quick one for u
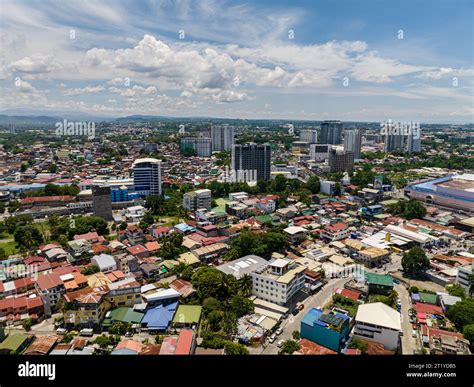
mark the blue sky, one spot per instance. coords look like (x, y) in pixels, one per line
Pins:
(338, 59)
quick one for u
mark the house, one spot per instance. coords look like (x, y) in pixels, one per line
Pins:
(186, 342)
(56, 254)
(154, 296)
(335, 232)
(441, 342)
(159, 318)
(446, 301)
(210, 253)
(104, 262)
(85, 308)
(42, 345)
(134, 234)
(295, 234)
(187, 316)
(138, 251)
(91, 237)
(161, 231)
(328, 329)
(378, 322)
(379, 284)
(79, 247)
(127, 263)
(128, 347)
(123, 315)
(19, 308)
(50, 288)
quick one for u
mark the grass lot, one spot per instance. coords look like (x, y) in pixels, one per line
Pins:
(346, 304)
(167, 220)
(9, 247)
(221, 202)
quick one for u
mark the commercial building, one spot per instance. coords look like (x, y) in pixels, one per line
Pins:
(329, 329)
(198, 199)
(331, 132)
(378, 322)
(201, 146)
(147, 176)
(222, 137)
(463, 276)
(251, 162)
(353, 142)
(309, 136)
(340, 161)
(455, 191)
(102, 201)
(319, 152)
(409, 143)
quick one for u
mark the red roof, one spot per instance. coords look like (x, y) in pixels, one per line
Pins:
(427, 308)
(352, 294)
(137, 249)
(49, 281)
(21, 302)
(87, 236)
(23, 282)
(44, 199)
(336, 227)
(185, 342)
(307, 347)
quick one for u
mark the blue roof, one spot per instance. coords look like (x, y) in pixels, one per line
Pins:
(159, 317)
(184, 227)
(415, 296)
(312, 316)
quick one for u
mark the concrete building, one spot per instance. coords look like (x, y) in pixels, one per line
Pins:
(222, 137)
(200, 145)
(353, 142)
(251, 162)
(331, 132)
(462, 278)
(409, 142)
(319, 152)
(309, 135)
(340, 161)
(454, 191)
(195, 200)
(327, 187)
(147, 177)
(102, 201)
(378, 322)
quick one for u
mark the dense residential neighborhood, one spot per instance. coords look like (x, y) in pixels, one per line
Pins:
(170, 254)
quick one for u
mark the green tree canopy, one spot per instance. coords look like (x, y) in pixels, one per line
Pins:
(415, 261)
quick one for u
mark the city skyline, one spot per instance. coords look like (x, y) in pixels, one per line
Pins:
(237, 59)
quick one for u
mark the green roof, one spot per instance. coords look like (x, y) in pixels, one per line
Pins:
(264, 218)
(379, 279)
(428, 298)
(13, 342)
(187, 314)
(123, 314)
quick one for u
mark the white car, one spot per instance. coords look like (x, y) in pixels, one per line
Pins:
(279, 331)
(280, 343)
(272, 338)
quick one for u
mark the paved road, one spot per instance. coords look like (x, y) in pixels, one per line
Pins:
(292, 323)
(409, 343)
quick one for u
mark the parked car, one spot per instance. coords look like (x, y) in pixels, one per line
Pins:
(294, 312)
(61, 331)
(88, 332)
(300, 306)
(129, 334)
(272, 338)
(280, 343)
(279, 331)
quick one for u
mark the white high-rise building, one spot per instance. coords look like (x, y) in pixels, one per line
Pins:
(147, 176)
(222, 137)
(353, 142)
(309, 135)
(319, 152)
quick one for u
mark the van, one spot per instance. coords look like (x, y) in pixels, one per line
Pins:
(88, 332)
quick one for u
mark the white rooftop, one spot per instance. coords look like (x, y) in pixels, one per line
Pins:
(379, 314)
(294, 230)
(279, 262)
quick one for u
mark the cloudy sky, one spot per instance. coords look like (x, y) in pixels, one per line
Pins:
(316, 59)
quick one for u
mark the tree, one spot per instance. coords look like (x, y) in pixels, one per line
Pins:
(412, 209)
(92, 269)
(28, 236)
(415, 261)
(211, 304)
(120, 328)
(210, 282)
(392, 298)
(290, 346)
(468, 332)
(359, 344)
(241, 306)
(456, 290)
(27, 323)
(245, 284)
(296, 335)
(229, 324)
(187, 273)
(337, 189)
(3, 254)
(313, 184)
(471, 284)
(235, 349)
(461, 313)
(214, 319)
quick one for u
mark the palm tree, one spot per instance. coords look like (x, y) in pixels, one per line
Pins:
(245, 284)
(392, 297)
